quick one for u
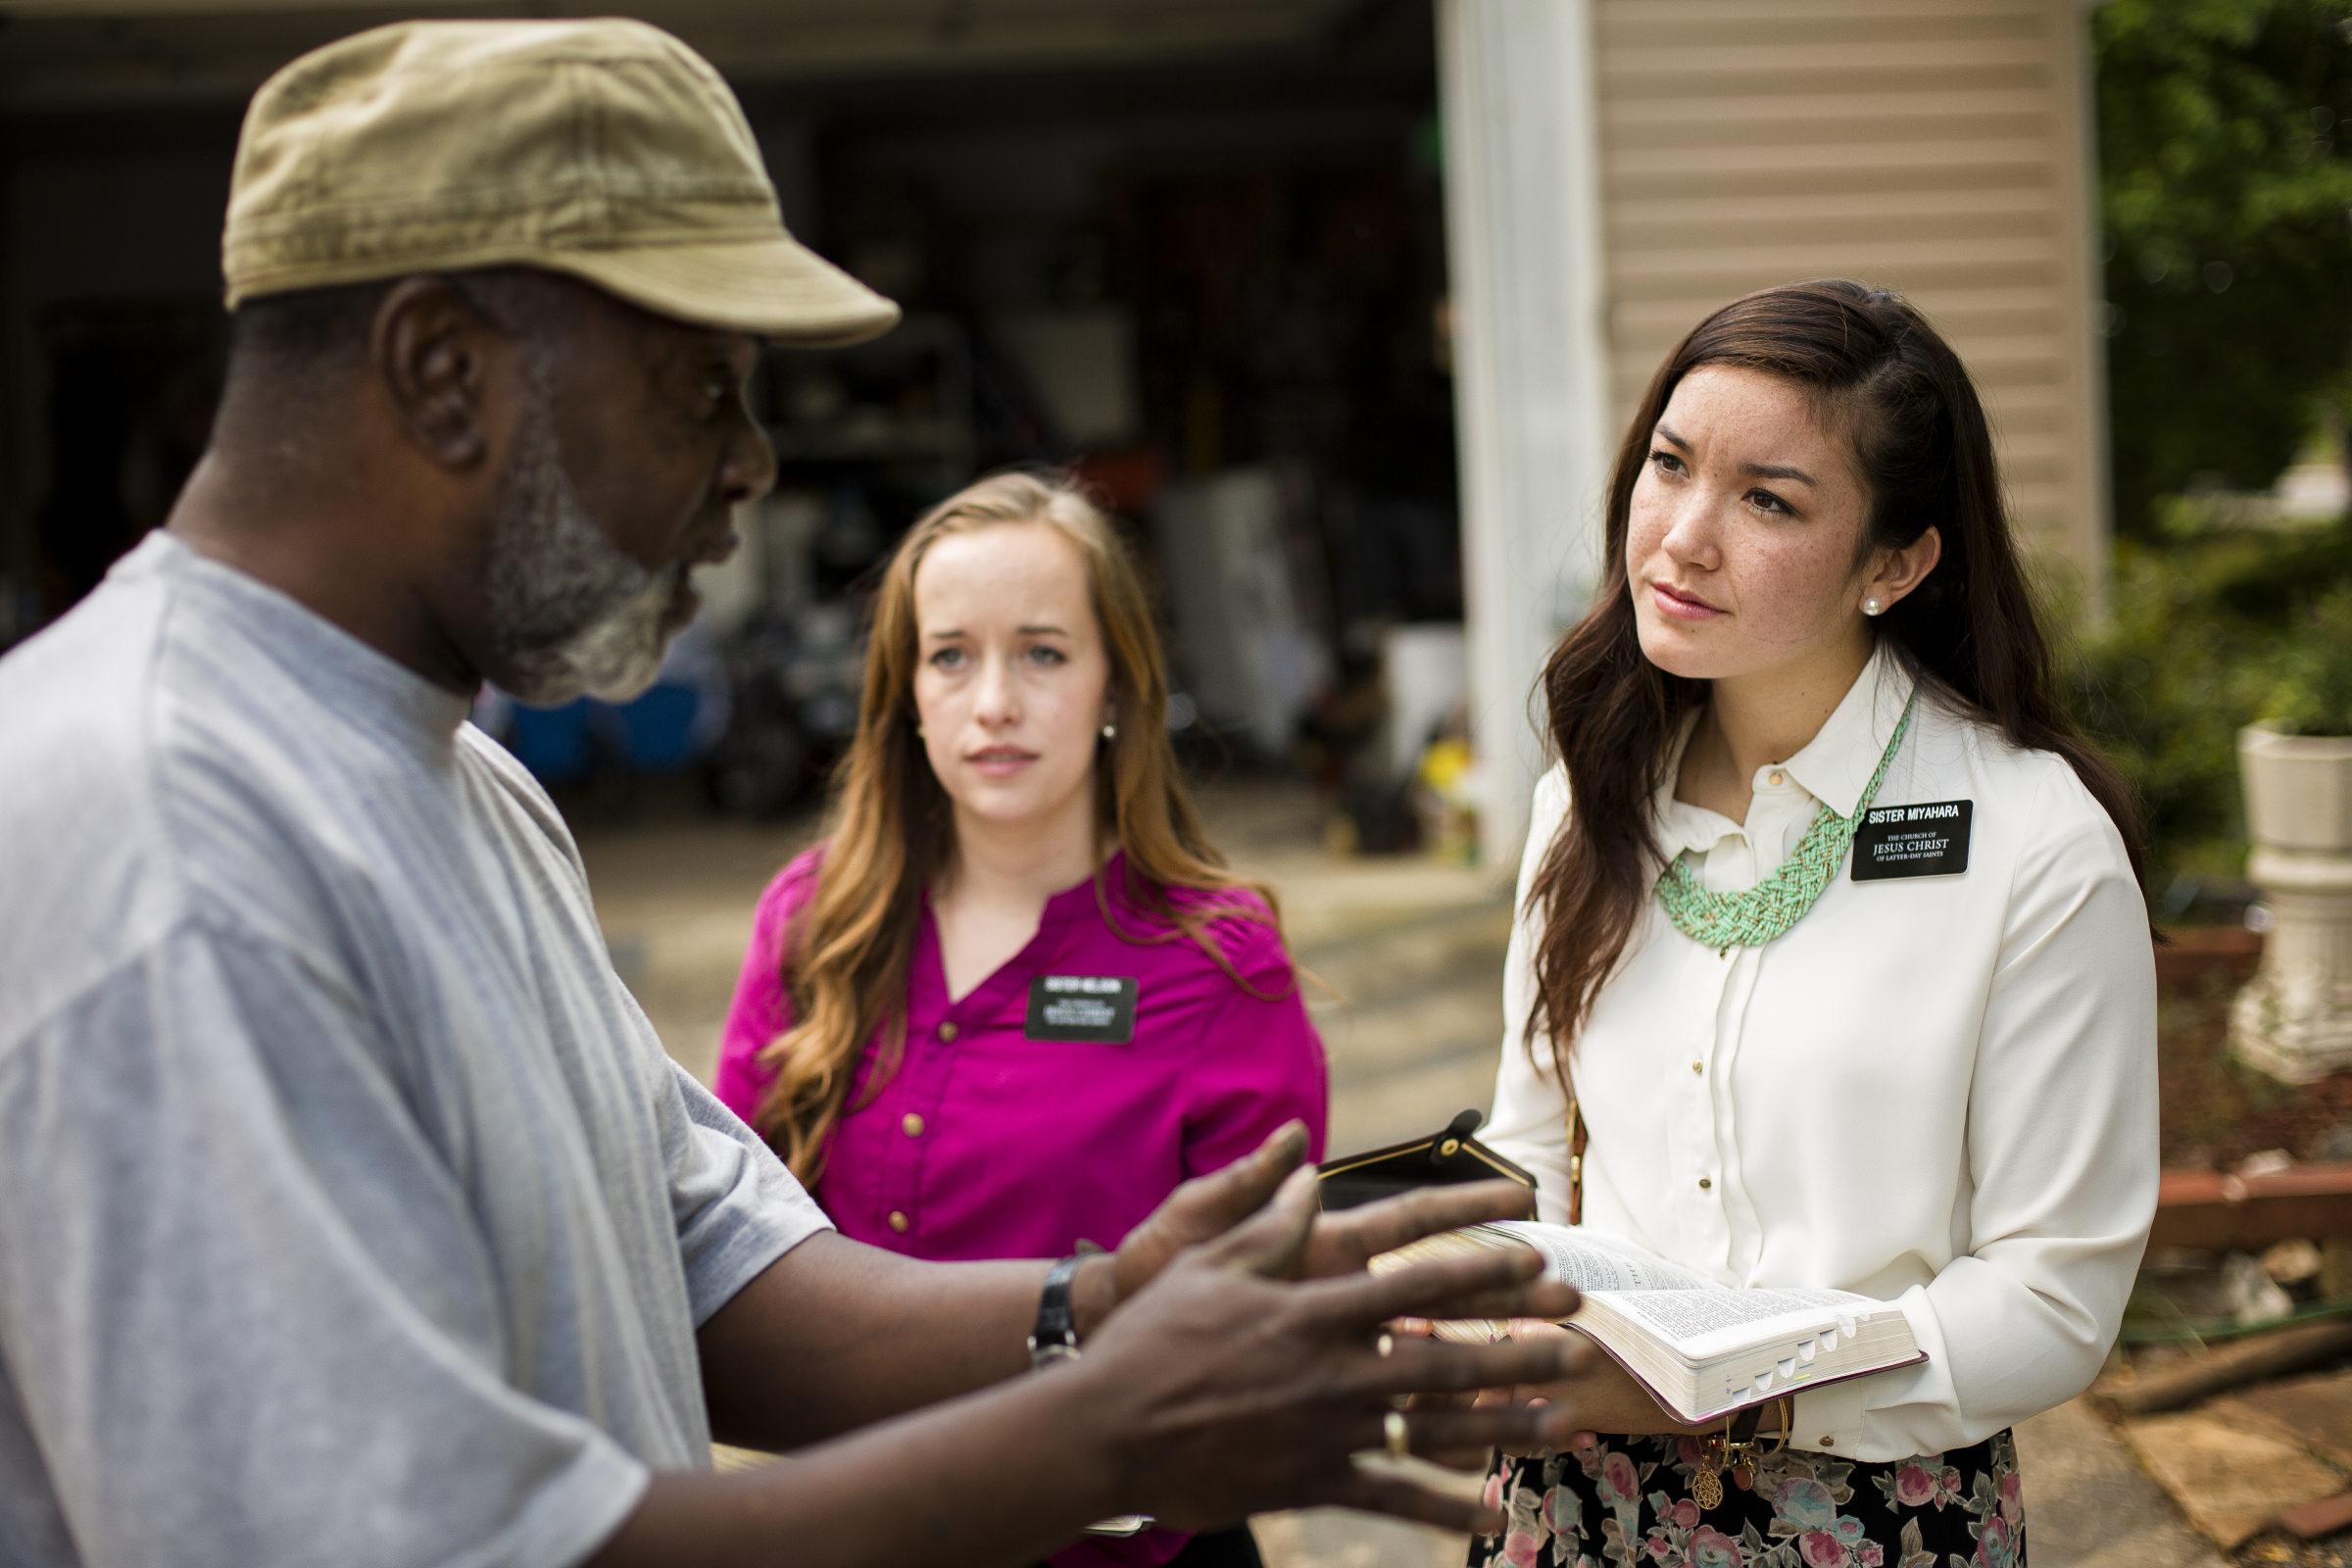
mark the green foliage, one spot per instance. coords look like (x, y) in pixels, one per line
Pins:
(2226, 186)
(2310, 684)
(2206, 636)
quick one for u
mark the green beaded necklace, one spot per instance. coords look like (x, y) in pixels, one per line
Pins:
(1750, 920)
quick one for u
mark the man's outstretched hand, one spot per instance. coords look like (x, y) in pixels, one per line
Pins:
(1251, 1370)
(1241, 1370)
(1209, 1206)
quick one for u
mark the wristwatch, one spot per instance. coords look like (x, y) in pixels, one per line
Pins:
(1056, 1337)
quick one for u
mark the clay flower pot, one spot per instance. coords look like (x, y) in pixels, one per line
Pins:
(2294, 1019)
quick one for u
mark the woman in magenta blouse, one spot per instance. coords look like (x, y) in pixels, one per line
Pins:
(1013, 997)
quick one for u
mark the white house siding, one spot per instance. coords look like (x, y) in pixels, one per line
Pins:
(1939, 147)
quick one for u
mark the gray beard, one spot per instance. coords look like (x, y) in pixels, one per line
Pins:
(571, 613)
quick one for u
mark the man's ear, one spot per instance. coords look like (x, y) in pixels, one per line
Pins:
(434, 353)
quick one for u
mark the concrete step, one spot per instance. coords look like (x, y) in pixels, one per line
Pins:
(1412, 951)
(1408, 1033)
(2089, 1505)
(1415, 1034)
(1409, 1103)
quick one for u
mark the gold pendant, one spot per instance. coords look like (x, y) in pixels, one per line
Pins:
(1706, 1488)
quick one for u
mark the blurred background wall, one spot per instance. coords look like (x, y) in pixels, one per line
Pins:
(1340, 303)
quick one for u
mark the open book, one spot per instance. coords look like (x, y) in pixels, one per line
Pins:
(1699, 1348)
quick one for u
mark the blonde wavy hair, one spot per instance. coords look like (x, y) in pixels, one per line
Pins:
(891, 830)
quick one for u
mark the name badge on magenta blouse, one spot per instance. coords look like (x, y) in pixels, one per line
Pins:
(1929, 839)
(1078, 1006)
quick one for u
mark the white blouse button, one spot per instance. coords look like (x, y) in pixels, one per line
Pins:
(1776, 778)
(1706, 1183)
(1699, 1067)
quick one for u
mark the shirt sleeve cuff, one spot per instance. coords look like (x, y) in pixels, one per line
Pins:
(1829, 1420)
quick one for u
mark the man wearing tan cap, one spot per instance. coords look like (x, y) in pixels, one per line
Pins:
(350, 1213)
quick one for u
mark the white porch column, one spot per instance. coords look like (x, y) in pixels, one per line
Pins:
(1516, 94)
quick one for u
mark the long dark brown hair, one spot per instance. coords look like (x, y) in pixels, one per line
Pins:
(1881, 375)
(892, 831)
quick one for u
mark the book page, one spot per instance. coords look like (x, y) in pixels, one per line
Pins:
(1590, 1261)
(1685, 1318)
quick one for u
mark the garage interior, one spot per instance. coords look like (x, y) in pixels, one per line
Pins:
(1194, 253)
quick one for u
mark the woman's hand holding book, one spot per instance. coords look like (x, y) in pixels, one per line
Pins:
(1596, 1393)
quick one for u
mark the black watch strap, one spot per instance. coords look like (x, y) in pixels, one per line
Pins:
(1056, 1337)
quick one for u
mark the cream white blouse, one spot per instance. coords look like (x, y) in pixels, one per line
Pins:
(1938, 1090)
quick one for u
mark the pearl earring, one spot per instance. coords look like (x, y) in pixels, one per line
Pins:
(1873, 607)
(1111, 732)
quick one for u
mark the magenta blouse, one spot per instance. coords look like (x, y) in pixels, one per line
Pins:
(989, 1143)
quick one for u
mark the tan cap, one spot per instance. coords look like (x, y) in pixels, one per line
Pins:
(606, 149)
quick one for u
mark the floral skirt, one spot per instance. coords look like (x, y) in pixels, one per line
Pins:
(1626, 1502)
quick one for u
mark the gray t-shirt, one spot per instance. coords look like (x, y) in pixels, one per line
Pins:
(350, 1211)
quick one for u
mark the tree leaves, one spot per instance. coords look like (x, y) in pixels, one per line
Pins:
(2226, 196)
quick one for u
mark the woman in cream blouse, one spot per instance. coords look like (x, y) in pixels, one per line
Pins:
(1916, 1061)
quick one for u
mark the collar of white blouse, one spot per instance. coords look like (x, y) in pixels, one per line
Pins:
(1832, 770)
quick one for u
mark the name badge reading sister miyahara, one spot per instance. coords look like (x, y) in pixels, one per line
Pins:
(1079, 1006)
(1929, 839)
